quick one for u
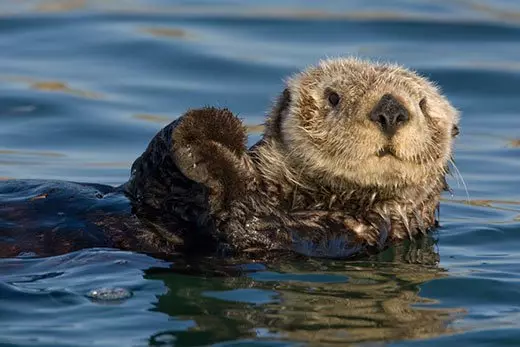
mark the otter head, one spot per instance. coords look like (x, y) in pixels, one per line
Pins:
(363, 124)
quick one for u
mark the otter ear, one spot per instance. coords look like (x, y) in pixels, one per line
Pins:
(455, 130)
(283, 101)
(422, 105)
(274, 122)
(424, 108)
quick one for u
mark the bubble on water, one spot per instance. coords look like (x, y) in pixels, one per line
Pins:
(163, 339)
(109, 295)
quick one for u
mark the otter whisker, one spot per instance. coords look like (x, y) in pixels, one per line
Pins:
(461, 178)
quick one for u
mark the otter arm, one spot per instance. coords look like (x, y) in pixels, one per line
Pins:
(190, 174)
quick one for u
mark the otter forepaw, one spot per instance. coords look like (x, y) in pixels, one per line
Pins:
(210, 125)
(374, 233)
(209, 145)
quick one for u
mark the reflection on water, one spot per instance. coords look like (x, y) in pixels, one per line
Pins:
(204, 301)
(313, 301)
(62, 87)
(167, 32)
(153, 118)
(59, 5)
(51, 86)
(36, 154)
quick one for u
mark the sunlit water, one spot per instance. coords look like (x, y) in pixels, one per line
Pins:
(84, 85)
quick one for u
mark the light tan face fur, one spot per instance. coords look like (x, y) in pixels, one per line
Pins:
(341, 143)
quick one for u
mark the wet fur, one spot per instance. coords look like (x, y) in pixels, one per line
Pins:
(313, 183)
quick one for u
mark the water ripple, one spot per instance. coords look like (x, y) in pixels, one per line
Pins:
(87, 83)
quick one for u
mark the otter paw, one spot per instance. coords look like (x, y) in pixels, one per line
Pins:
(208, 147)
(210, 125)
(374, 233)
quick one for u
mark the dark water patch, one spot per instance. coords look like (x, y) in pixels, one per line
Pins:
(476, 82)
(491, 238)
(401, 29)
(501, 336)
(481, 289)
(283, 277)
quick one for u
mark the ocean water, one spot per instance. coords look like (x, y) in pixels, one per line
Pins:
(85, 84)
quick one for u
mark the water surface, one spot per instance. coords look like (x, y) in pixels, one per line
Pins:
(84, 85)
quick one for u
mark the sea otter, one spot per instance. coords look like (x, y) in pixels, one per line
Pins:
(353, 158)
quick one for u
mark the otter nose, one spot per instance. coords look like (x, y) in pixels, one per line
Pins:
(389, 114)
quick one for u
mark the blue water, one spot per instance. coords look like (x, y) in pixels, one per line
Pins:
(85, 84)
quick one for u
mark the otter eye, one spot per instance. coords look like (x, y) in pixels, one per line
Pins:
(333, 98)
(455, 131)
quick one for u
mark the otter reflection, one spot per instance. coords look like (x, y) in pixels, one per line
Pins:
(370, 300)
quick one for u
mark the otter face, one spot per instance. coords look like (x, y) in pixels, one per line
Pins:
(369, 124)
